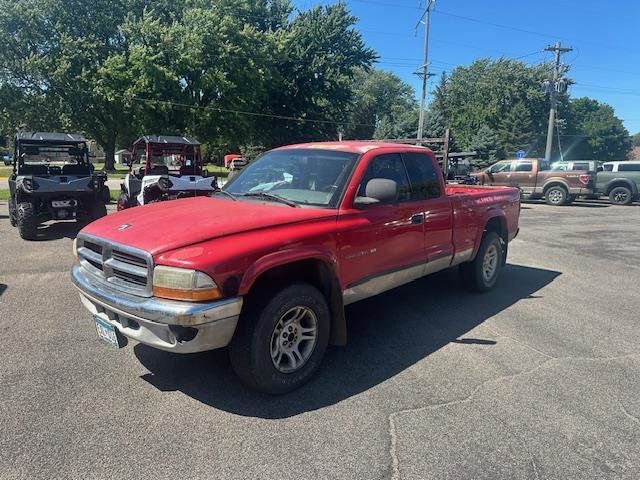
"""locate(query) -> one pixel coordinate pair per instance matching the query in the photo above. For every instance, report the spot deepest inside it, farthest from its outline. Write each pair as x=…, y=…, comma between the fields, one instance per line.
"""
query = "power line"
x=244, y=112
x=533, y=32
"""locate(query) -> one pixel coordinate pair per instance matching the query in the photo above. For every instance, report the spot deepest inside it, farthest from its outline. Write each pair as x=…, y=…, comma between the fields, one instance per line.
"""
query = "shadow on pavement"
x=387, y=334
x=58, y=230
x=3, y=288
x=577, y=203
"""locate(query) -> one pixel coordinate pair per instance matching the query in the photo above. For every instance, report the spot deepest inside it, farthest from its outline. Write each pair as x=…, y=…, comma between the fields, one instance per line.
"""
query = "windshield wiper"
x=228, y=194
x=271, y=196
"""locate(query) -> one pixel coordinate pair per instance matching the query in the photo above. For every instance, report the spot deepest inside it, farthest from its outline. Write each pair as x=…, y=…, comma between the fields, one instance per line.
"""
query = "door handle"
x=417, y=219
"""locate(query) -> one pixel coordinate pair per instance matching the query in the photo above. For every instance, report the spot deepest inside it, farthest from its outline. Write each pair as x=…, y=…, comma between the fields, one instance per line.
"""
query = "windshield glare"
x=304, y=176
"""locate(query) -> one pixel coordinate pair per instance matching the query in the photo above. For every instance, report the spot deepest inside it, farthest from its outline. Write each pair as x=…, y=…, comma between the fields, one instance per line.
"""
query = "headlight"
x=183, y=284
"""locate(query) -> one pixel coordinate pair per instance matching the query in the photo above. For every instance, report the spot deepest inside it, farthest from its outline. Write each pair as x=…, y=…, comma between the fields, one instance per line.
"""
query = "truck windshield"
x=305, y=176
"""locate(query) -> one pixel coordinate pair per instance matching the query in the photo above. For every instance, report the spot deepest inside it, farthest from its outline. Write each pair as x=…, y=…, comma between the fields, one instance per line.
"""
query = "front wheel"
x=280, y=342
x=12, y=213
x=95, y=209
x=556, y=196
x=621, y=196
x=27, y=221
x=482, y=273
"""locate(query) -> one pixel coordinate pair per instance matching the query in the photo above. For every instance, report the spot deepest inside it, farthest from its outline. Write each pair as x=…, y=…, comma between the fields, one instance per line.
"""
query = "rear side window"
x=422, y=175
x=524, y=167
x=608, y=168
x=580, y=166
x=543, y=165
x=629, y=167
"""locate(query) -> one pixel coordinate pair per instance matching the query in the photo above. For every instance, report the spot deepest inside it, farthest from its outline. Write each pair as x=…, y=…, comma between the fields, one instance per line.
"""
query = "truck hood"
x=163, y=226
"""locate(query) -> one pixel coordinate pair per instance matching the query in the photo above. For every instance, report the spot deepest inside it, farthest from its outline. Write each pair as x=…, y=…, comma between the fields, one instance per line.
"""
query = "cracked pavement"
x=537, y=379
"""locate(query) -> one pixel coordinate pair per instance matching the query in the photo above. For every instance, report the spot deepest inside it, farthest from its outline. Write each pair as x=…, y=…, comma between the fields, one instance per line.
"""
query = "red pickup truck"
x=267, y=265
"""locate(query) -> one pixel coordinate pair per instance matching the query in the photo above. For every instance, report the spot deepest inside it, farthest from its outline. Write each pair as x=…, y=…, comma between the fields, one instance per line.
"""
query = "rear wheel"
x=124, y=201
x=12, y=212
x=27, y=221
x=621, y=196
x=482, y=273
x=556, y=195
x=280, y=342
x=105, y=194
x=95, y=209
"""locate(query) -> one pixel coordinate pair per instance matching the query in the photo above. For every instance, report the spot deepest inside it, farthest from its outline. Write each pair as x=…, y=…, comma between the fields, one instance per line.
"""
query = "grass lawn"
x=4, y=194
x=122, y=171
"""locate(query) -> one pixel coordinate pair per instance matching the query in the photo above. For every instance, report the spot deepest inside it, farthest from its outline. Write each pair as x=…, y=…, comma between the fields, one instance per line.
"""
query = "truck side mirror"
x=378, y=190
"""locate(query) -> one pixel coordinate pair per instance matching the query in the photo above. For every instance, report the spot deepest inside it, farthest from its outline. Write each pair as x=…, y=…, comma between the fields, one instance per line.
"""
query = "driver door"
x=499, y=174
x=383, y=244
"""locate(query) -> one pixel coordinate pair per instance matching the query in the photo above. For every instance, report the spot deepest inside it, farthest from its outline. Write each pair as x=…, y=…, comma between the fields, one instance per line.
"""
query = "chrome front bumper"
x=181, y=327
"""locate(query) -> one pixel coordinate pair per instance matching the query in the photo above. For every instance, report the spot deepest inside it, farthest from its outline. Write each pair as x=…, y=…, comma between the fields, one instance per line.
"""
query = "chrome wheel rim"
x=294, y=339
x=555, y=196
x=490, y=263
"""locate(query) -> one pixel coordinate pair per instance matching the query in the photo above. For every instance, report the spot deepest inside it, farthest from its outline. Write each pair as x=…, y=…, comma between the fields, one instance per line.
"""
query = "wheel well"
x=315, y=272
x=499, y=226
x=619, y=183
x=555, y=184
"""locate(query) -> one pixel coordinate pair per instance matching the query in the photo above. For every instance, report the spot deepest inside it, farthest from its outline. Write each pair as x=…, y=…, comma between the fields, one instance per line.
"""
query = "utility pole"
x=555, y=86
x=425, y=66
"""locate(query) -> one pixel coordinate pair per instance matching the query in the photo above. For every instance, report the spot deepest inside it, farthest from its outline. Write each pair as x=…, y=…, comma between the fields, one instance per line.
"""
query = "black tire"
x=473, y=273
x=27, y=221
x=556, y=195
x=621, y=196
x=105, y=194
x=95, y=209
x=12, y=212
x=250, y=349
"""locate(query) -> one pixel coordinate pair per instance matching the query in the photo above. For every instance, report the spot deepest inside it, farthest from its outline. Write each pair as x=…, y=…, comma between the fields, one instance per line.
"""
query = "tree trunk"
x=110, y=154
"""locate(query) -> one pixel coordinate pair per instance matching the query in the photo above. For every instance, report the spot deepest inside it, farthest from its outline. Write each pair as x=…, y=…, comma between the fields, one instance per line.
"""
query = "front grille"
x=124, y=268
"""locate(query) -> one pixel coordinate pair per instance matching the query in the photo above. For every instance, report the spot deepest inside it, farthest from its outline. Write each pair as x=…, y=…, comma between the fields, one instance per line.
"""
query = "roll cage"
x=48, y=148
x=166, y=155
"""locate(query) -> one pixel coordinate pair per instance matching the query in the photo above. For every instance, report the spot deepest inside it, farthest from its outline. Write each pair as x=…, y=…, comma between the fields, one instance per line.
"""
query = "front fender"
x=284, y=257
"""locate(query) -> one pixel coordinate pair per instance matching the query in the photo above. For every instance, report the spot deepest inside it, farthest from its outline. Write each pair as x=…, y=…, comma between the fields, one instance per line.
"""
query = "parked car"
x=6, y=159
x=267, y=265
x=164, y=168
x=619, y=181
x=536, y=179
x=52, y=179
x=582, y=165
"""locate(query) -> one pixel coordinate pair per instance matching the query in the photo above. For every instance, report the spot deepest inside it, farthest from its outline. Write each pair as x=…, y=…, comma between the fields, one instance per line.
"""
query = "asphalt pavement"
x=537, y=379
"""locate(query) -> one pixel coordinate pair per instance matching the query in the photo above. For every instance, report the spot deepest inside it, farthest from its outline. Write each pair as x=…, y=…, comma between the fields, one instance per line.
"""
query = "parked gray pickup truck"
x=620, y=181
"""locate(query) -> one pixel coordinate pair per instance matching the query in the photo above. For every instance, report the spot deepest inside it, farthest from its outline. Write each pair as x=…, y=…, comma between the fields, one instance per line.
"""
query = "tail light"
x=585, y=179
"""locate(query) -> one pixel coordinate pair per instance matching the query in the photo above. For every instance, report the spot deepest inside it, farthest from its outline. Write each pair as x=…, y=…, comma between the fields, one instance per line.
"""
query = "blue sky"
x=605, y=63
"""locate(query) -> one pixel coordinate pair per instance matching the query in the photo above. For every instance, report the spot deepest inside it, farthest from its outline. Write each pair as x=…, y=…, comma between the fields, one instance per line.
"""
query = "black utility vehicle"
x=52, y=179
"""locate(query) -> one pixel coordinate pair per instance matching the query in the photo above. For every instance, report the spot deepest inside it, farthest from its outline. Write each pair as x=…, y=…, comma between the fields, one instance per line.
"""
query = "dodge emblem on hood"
x=124, y=226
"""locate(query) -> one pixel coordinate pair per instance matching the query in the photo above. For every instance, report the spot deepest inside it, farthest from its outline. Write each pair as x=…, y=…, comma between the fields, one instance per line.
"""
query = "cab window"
x=524, y=167
x=391, y=167
x=500, y=167
x=629, y=167
x=422, y=175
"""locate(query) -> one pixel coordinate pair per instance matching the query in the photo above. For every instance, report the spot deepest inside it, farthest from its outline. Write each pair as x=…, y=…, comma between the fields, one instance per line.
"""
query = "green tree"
x=594, y=132
x=515, y=131
x=484, y=141
x=635, y=140
x=65, y=56
x=497, y=94
x=379, y=99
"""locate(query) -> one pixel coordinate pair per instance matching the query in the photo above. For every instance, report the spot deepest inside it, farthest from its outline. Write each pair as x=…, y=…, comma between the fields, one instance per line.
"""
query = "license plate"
x=107, y=332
